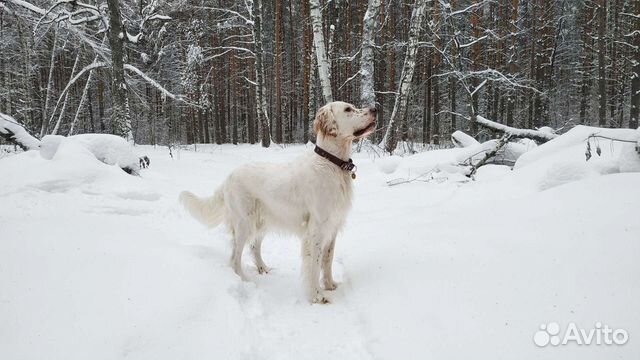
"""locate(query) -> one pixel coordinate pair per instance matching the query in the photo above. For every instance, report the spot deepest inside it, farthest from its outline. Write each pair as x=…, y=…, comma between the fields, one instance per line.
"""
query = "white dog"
x=309, y=197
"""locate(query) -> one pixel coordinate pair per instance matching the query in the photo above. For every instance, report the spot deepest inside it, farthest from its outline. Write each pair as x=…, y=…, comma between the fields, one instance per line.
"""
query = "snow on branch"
x=165, y=92
x=134, y=38
x=468, y=8
x=350, y=78
x=159, y=17
x=90, y=67
x=13, y=131
x=537, y=135
x=227, y=49
x=91, y=13
x=495, y=75
x=28, y=6
x=247, y=20
x=462, y=46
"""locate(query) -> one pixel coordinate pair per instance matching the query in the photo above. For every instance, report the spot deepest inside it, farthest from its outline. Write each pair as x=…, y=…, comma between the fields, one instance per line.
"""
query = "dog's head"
x=344, y=121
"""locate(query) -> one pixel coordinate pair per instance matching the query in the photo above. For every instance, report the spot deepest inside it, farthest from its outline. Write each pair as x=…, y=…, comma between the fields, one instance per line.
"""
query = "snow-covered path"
x=98, y=264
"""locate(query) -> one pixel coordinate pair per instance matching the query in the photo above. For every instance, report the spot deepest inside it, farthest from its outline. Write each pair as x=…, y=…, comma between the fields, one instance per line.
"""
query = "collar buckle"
x=344, y=165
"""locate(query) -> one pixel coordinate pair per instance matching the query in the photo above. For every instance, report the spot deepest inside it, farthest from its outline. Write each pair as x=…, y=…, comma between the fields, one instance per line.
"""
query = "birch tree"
x=367, y=70
x=390, y=139
x=324, y=67
x=261, y=101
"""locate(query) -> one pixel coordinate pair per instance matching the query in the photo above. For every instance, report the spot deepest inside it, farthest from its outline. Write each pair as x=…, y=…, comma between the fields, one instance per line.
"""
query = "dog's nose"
x=372, y=109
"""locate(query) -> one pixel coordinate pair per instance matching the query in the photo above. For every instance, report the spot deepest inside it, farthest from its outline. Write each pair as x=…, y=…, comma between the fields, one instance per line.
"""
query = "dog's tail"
x=209, y=210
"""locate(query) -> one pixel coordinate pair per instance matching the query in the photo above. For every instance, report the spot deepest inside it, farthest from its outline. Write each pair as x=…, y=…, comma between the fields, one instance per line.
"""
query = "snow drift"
x=564, y=158
x=109, y=149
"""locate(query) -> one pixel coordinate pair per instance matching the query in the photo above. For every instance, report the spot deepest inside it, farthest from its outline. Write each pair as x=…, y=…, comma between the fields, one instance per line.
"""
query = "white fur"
x=309, y=197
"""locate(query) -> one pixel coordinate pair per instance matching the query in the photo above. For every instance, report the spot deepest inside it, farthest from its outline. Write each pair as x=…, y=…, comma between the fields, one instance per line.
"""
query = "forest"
x=184, y=71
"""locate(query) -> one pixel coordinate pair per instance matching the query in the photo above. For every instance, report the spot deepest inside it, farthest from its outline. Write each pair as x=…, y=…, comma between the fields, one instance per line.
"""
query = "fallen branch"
x=489, y=154
x=536, y=135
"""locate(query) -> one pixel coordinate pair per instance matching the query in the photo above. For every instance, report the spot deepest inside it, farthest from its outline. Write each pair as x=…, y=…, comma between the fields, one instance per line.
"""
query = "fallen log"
x=14, y=132
x=537, y=135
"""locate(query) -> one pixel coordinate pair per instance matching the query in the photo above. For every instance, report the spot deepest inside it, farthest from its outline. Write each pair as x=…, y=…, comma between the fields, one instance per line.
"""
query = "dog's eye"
x=348, y=109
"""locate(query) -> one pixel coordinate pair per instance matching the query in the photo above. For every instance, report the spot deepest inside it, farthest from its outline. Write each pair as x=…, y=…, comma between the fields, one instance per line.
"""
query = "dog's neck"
x=340, y=148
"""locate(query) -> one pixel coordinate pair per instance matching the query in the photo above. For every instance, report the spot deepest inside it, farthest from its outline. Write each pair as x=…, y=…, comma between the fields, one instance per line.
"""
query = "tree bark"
x=367, y=67
x=391, y=138
x=120, y=118
x=602, y=81
x=635, y=75
x=277, y=116
x=324, y=66
x=45, y=114
x=66, y=97
x=306, y=81
x=261, y=101
x=587, y=46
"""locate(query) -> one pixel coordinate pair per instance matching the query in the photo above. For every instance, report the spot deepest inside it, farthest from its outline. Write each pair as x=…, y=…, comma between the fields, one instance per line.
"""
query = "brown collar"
x=344, y=165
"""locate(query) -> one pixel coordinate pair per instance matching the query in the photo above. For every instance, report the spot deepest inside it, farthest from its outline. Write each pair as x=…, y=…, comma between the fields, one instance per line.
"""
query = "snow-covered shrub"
x=109, y=149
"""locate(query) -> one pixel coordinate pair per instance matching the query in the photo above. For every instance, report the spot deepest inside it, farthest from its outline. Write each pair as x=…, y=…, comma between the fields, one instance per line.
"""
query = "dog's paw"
x=320, y=299
x=263, y=269
x=330, y=285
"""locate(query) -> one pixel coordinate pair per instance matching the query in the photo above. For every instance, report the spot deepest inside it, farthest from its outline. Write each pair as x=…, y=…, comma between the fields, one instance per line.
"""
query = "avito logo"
x=598, y=335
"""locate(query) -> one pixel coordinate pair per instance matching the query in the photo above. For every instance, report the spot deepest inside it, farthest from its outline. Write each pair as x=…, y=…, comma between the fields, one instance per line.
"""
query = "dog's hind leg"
x=327, y=262
x=241, y=234
x=256, y=249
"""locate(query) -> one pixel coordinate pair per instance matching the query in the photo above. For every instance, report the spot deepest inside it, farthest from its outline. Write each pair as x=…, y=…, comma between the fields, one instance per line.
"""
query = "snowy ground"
x=97, y=264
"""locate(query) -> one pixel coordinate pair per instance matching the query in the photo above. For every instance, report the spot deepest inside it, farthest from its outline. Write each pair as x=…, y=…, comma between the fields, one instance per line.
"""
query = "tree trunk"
x=475, y=66
x=391, y=138
x=66, y=97
x=602, y=81
x=277, y=116
x=635, y=75
x=426, y=115
x=306, y=82
x=324, y=66
x=261, y=101
x=120, y=119
x=367, y=69
x=511, y=97
x=587, y=46
x=45, y=113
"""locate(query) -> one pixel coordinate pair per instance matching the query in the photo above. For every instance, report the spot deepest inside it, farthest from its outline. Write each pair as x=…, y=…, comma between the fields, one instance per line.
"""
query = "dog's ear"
x=325, y=122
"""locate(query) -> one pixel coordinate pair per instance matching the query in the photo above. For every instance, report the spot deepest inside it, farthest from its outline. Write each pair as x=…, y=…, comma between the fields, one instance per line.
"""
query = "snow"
x=546, y=134
x=134, y=38
x=508, y=154
x=576, y=139
x=109, y=149
x=389, y=164
x=9, y=127
x=98, y=264
x=460, y=139
x=563, y=159
x=160, y=17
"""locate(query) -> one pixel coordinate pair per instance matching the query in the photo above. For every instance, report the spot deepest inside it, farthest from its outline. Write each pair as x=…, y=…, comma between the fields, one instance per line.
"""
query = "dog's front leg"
x=327, y=262
x=311, y=256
